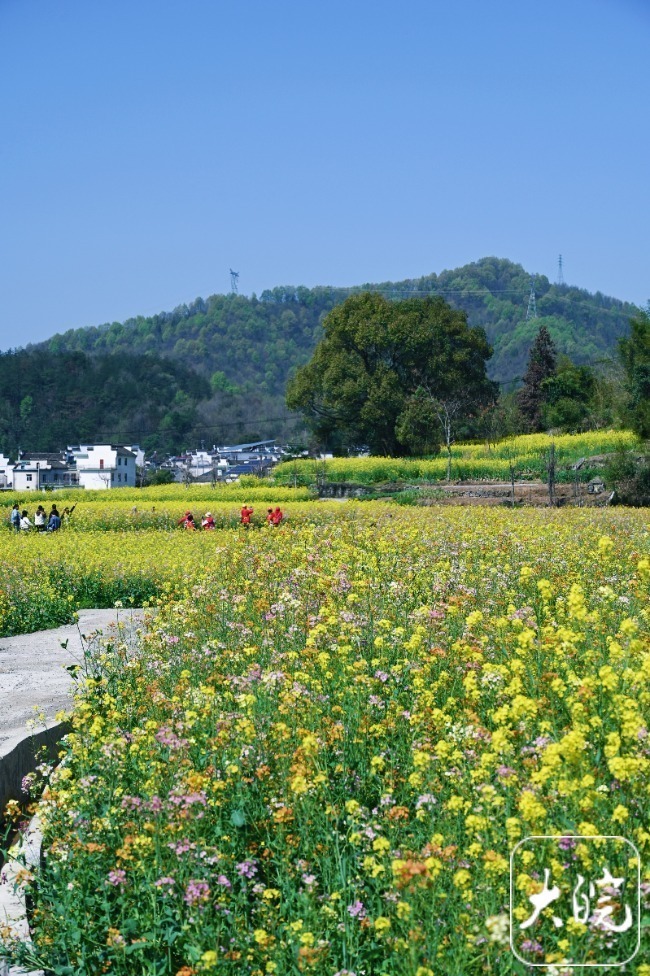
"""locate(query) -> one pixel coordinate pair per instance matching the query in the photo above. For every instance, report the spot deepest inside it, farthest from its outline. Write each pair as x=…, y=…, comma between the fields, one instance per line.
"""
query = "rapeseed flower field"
x=333, y=736
x=526, y=453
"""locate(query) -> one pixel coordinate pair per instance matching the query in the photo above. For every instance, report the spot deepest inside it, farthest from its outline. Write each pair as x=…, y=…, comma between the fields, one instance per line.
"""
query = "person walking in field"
x=14, y=517
x=246, y=514
x=277, y=516
x=269, y=516
x=183, y=521
x=190, y=524
x=207, y=522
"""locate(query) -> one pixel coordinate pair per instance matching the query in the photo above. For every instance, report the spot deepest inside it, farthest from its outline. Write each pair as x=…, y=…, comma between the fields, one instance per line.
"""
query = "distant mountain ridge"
x=493, y=291
x=243, y=350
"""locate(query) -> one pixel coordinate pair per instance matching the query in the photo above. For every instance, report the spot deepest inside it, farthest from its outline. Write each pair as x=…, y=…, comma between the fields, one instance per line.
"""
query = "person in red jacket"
x=277, y=516
x=207, y=522
x=246, y=514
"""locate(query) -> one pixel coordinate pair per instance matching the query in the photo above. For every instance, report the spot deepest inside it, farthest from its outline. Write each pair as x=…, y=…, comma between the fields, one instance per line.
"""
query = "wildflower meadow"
x=332, y=736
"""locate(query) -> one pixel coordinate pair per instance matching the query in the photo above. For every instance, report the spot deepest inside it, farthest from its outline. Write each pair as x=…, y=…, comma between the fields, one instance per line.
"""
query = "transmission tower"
x=532, y=304
x=560, y=274
x=234, y=276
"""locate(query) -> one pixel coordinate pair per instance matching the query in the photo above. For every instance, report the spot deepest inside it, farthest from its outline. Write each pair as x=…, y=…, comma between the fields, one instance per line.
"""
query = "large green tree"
x=379, y=368
x=635, y=355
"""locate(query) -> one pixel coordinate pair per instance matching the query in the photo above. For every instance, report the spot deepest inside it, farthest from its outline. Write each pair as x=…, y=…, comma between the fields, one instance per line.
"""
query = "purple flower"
x=131, y=802
x=164, y=881
x=181, y=847
x=197, y=891
x=247, y=869
x=223, y=881
x=116, y=878
x=357, y=909
x=567, y=843
x=188, y=799
x=531, y=946
x=166, y=737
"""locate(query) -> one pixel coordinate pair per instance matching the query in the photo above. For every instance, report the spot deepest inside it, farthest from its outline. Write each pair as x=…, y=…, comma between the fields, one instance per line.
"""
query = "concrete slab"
x=33, y=676
x=34, y=681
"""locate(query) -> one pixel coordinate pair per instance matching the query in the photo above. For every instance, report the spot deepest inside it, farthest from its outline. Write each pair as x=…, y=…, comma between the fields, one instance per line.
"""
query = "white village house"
x=6, y=472
x=104, y=466
x=38, y=471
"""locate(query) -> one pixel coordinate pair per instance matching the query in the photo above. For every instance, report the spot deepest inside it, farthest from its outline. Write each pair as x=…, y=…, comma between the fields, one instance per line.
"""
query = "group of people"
x=187, y=521
x=43, y=522
x=274, y=516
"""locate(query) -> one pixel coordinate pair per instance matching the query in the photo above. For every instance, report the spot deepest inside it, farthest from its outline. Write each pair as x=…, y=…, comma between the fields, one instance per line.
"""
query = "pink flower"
x=116, y=878
x=357, y=909
x=197, y=891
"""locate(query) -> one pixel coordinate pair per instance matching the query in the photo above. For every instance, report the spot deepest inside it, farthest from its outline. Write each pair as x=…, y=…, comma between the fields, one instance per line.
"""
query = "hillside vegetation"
x=228, y=358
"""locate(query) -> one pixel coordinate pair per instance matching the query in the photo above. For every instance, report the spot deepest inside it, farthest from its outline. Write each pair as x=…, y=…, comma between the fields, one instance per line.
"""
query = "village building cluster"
x=99, y=466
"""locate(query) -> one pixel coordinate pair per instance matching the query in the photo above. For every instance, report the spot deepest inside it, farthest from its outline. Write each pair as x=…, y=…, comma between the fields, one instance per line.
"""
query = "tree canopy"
x=380, y=367
x=635, y=355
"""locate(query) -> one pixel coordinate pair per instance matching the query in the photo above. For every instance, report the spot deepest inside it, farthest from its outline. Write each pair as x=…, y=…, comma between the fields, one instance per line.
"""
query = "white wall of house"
x=102, y=466
x=25, y=477
x=6, y=472
x=139, y=454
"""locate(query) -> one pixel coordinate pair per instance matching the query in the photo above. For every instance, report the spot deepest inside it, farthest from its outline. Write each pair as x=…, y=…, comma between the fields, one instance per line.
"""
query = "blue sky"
x=148, y=147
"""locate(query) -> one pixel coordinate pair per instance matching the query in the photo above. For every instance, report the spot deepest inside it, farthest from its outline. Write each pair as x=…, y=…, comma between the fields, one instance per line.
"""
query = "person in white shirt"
x=25, y=524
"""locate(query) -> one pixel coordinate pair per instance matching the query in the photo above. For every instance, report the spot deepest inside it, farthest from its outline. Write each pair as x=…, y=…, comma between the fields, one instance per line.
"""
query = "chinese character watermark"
x=575, y=901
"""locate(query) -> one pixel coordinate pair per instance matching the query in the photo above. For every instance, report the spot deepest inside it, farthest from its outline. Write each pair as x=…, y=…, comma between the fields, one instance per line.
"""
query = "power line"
x=140, y=432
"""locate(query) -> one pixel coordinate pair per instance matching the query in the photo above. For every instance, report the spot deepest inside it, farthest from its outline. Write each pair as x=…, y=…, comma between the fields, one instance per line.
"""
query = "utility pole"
x=560, y=274
x=234, y=277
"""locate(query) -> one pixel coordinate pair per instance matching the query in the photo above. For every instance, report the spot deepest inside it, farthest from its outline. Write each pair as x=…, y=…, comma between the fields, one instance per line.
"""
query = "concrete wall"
x=21, y=759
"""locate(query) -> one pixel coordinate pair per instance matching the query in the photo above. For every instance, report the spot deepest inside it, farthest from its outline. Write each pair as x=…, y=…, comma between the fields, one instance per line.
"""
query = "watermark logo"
x=575, y=901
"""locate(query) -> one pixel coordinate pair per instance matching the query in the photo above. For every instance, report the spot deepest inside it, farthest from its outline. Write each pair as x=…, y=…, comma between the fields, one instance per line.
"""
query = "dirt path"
x=33, y=676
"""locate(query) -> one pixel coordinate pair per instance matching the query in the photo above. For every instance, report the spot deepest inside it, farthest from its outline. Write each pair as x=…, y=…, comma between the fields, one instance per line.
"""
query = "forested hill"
x=494, y=292
x=49, y=401
x=258, y=340
x=245, y=348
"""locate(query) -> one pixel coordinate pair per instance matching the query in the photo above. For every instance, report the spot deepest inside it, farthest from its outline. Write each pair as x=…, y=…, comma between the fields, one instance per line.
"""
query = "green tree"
x=568, y=396
x=380, y=367
x=635, y=356
x=542, y=363
x=418, y=425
